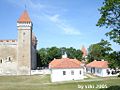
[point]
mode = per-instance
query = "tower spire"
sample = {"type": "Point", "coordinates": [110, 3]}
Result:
{"type": "Point", "coordinates": [25, 6]}
{"type": "Point", "coordinates": [24, 17]}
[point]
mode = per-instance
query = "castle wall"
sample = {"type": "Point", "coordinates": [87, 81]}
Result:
{"type": "Point", "coordinates": [8, 57]}
{"type": "Point", "coordinates": [18, 57]}
{"type": "Point", "coordinates": [34, 58]}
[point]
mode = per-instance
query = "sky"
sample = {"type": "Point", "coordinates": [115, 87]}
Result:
{"type": "Point", "coordinates": [60, 23]}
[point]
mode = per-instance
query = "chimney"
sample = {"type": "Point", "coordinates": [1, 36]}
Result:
{"type": "Point", "coordinates": [102, 60]}
{"type": "Point", "coordinates": [65, 55]}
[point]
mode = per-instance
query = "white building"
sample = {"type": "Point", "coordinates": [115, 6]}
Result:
{"type": "Point", "coordinates": [99, 68]}
{"type": "Point", "coordinates": [66, 69]}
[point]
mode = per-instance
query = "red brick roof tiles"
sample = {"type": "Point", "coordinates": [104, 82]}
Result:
{"type": "Point", "coordinates": [65, 63]}
{"type": "Point", "coordinates": [98, 64]}
{"type": "Point", "coordinates": [24, 17]}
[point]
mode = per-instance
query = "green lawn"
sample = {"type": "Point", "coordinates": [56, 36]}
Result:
{"type": "Point", "coordinates": [42, 82]}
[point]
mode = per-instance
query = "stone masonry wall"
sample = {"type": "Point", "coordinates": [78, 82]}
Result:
{"type": "Point", "coordinates": [8, 59]}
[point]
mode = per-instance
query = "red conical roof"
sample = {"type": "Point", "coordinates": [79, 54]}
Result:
{"type": "Point", "coordinates": [24, 17]}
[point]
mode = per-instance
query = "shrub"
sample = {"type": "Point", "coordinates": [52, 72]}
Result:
{"type": "Point", "coordinates": [119, 75]}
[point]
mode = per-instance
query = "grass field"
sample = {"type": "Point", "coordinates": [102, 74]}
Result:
{"type": "Point", "coordinates": [42, 82]}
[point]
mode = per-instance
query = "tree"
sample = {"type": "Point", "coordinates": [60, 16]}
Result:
{"type": "Point", "coordinates": [53, 52]}
{"type": "Point", "coordinates": [114, 59]}
{"type": "Point", "coordinates": [74, 53]}
{"type": "Point", "coordinates": [42, 58]}
{"type": "Point", "coordinates": [94, 52]}
{"type": "Point", "coordinates": [46, 55]}
{"type": "Point", "coordinates": [110, 18]}
{"type": "Point", "coordinates": [99, 50]}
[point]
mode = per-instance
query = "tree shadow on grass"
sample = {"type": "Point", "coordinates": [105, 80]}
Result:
{"type": "Point", "coordinates": [112, 88]}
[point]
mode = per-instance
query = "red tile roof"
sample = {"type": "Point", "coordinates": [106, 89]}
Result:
{"type": "Point", "coordinates": [84, 51]}
{"type": "Point", "coordinates": [24, 17]}
{"type": "Point", "coordinates": [65, 63]}
{"type": "Point", "coordinates": [98, 64]}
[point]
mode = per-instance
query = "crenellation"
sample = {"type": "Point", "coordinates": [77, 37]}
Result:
{"type": "Point", "coordinates": [8, 40]}
{"type": "Point", "coordinates": [11, 43]}
{"type": "Point", "coordinates": [29, 24]}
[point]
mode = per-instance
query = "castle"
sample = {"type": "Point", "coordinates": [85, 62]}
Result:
{"type": "Point", "coordinates": [18, 57]}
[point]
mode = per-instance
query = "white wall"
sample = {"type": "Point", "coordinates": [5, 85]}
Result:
{"type": "Point", "coordinates": [8, 68]}
{"type": "Point", "coordinates": [88, 69]}
{"type": "Point", "coordinates": [57, 74]}
{"type": "Point", "coordinates": [43, 71]}
{"type": "Point", "coordinates": [98, 71]}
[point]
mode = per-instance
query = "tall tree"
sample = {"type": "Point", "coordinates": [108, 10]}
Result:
{"type": "Point", "coordinates": [114, 59]}
{"type": "Point", "coordinates": [53, 52]}
{"type": "Point", "coordinates": [74, 53]}
{"type": "Point", "coordinates": [45, 55]}
{"type": "Point", "coordinates": [42, 58]}
{"type": "Point", "coordinates": [99, 50]}
{"type": "Point", "coordinates": [110, 18]}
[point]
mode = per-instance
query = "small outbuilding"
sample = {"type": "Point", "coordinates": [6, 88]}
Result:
{"type": "Point", "coordinates": [99, 68]}
{"type": "Point", "coordinates": [65, 69]}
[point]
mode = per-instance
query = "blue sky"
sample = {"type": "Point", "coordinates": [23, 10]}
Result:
{"type": "Point", "coordinates": [61, 23]}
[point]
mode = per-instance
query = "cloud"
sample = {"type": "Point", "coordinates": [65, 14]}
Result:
{"type": "Point", "coordinates": [46, 11]}
{"type": "Point", "coordinates": [43, 10]}
{"type": "Point", "coordinates": [28, 3]}
{"type": "Point", "coordinates": [69, 30]}
{"type": "Point", "coordinates": [35, 5]}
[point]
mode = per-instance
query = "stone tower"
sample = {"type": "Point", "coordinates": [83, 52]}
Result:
{"type": "Point", "coordinates": [84, 51]}
{"type": "Point", "coordinates": [24, 55]}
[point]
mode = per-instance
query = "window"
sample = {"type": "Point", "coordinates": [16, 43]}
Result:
{"type": "Point", "coordinates": [72, 72]}
{"type": "Point", "coordinates": [87, 69]}
{"type": "Point", "coordinates": [80, 72]}
{"type": "Point", "coordinates": [97, 70]}
{"type": "Point", "coordinates": [23, 36]}
{"type": "Point", "coordinates": [9, 59]}
{"type": "Point", "coordinates": [23, 33]}
{"type": "Point", "coordinates": [1, 61]}
{"type": "Point", "coordinates": [64, 72]}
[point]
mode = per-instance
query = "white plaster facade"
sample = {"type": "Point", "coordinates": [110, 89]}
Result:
{"type": "Point", "coordinates": [66, 74]}
{"type": "Point", "coordinates": [102, 72]}
{"type": "Point", "coordinates": [43, 71]}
